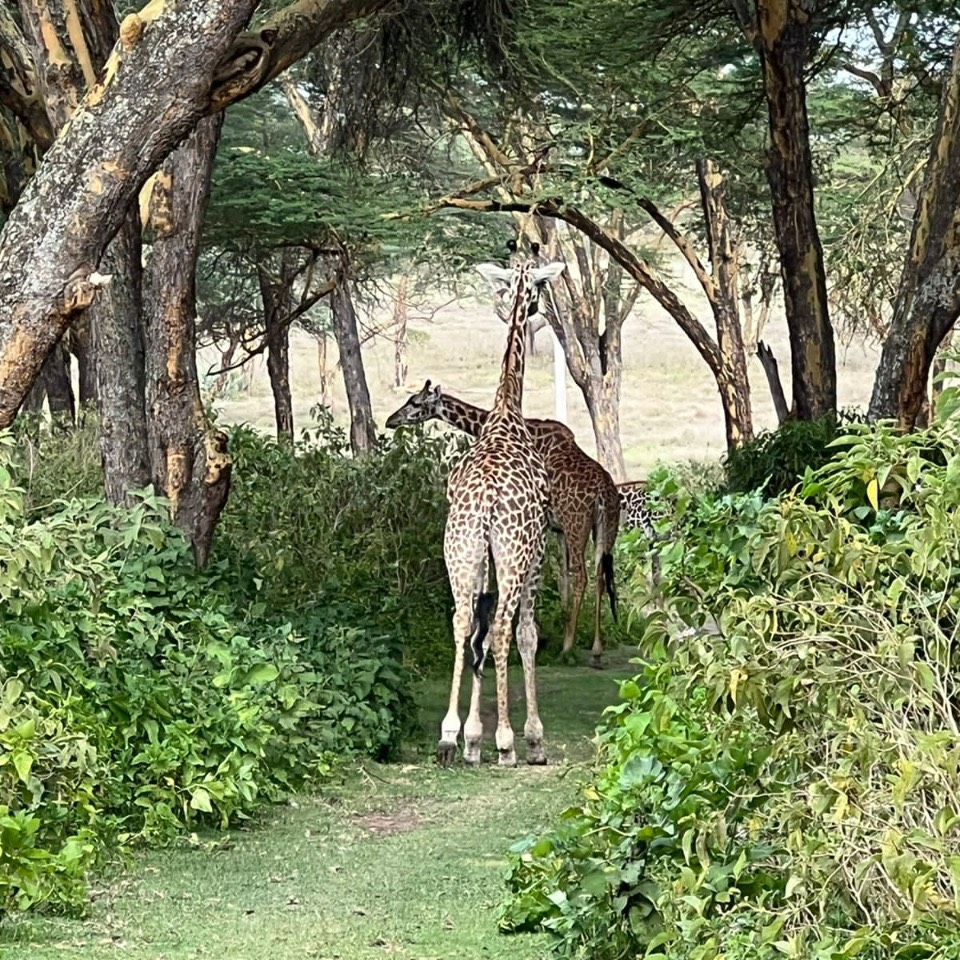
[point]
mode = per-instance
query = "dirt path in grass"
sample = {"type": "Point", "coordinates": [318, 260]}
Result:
{"type": "Point", "coordinates": [404, 860]}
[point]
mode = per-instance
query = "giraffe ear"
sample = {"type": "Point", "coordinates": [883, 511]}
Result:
{"type": "Point", "coordinates": [497, 275]}
{"type": "Point", "coordinates": [549, 271]}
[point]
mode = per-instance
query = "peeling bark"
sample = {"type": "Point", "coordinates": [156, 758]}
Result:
{"type": "Point", "coordinates": [175, 61]}
{"type": "Point", "coordinates": [928, 300]}
{"type": "Point", "coordinates": [72, 41]}
{"type": "Point", "coordinates": [153, 91]}
{"type": "Point", "coordinates": [734, 381]}
{"type": "Point", "coordinates": [189, 459]}
{"type": "Point", "coordinates": [363, 431]}
{"type": "Point", "coordinates": [20, 89]}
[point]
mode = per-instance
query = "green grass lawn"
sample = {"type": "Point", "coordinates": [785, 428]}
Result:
{"type": "Point", "coordinates": [403, 860]}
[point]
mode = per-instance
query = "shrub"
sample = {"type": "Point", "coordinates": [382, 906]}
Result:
{"type": "Point", "coordinates": [783, 783]}
{"type": "Point", "coordinates": [776, 459]}
{"type": "Point", "coordinates": [141, 697]}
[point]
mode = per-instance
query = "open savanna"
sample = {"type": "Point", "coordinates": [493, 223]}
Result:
{"type": "Point", "coordinates": [670, 409]}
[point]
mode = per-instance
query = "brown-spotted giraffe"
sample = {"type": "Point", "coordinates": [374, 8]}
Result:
{"type": "Point", "coordinates": [636, 514]}
{"type": "Point", "coordinates": [583, 498]}
{"type": "Point", "coordinates": [498, 496]}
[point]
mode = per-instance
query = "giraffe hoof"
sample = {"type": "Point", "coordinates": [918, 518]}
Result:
{"type": "Point", "coordinates": [538, 759]}
{"type": "Point", "coordinates": [596, 663]}
{"type": "Point", "coordinates": [446, 753]}
{"type": "Point", "coordinates": [507, 758]}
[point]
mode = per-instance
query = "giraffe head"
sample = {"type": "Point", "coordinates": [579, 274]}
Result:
{"type": "Point", "coordinates": [523, 294]}
{"type": "Point", "coordinates": [517, 288]}
{"type": "Point", "coordinates": [424, 405]}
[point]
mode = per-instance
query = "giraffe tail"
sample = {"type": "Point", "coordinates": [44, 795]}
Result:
{"type": "Point", "coordinates": [481, 626]}
{"type": "Point", "coordinates": [606, 563]}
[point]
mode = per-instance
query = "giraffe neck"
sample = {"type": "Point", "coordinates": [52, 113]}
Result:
{"type": "Point", "coordinates": [462, 415]}
{"type": "Point", "coordinates": [509, 399]}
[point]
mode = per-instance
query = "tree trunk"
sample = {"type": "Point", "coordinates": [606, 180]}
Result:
{"type": "Point", "coordinates": [59, 389]}
{"type": "Point", "coordinates": [604, 410]}
{"type": "Point", "coordinates": [189, 458]}
{"type": "Point", "coordinates": [769, 363]}
{"type": "Point", "coordinates": [928, 300]}
{"type": "Point", "coordinates": [724, 256]}
{"type": "Point", "coordinates": [277, 296]}
{"type": "Point", "coordinates": [782, 38]}
{"type": "Point", "coordinates": [72, 42]}
{"type": "Point", "coordinates": [400, 334]}
{"type": "Point", "coordinates": [79, 341]}
{"type": "Point", "coordinates": [324, 370]}
{"type": "Point", "coordinates": [54, 386]}
{"type": "Point", "coordinates": [116, 328]}
{"type": "Point", "coordinates": [154, 89]}
{"type": "Point", "coordinates": [363, 432]}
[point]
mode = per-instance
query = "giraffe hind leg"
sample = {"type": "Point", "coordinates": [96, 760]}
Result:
{"type": "Point", "coordinates": [527, 644]}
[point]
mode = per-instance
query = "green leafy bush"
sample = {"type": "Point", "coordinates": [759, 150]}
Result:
{"type": "Point", "coordinates": [361, 538]}
{"type": "Point", "coordinates": [776, 459]}
{"type": "Point", "coordinates": [140, 697]}
{"type": "Point", "coordinates": [781, 780]}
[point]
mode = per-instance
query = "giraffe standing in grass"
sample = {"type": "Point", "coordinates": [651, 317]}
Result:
{"type": "Point", "coordinates": [498, 496]}
{"type": "Point", "coordinates": [583, 498]}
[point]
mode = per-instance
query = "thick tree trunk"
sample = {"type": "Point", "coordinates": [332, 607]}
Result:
{"type": "Point", "coordinates": [928, 300]}
{"type": "Point", "coordinates": [782, 38]}
{"type": "Point", "coordinates": [73, 42]}
{"type": "Point", "coordinates": [189, 458]}
{"type": "Point", "coordinates": [277, 296]}
{"type": "Point", "coordinates": [116, 329]}
{"type": "Point", "coordinates": [363, 432]}
{"type": "Point", "coordinates": [154, 89]}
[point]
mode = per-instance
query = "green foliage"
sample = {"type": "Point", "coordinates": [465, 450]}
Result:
{"type": "Point", "coordinates": [781, 780]}
{"type": "Point", "coordinates": [361, 538]}
{"type": "Point", "coordinates": [776, 459]}
{"type": "Point", "coordinates": [140, 697]}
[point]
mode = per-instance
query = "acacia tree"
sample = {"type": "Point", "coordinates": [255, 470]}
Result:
{"type": "Point", "coordinates": [518, 170]}
{"type": "Point", "coordinates": [174, 63]}
{"type": "Point", "coordinates": [136, 109]}
{"type": "Point", "coordinates": [781, 32]}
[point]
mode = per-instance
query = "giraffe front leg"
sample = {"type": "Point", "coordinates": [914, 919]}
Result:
{"type": "Point", "coordinates": [450, 727]}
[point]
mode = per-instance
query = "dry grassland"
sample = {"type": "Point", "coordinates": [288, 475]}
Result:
{"type": "Point", "coordinates": [670, 408]}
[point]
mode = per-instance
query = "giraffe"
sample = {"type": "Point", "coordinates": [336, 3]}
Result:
{"type": "Point", "coordinates": [583, 498]}
{"type": "Point", "coordinates": [636, 514]}
{"type": "Point", "coordinates": [498, 495]}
